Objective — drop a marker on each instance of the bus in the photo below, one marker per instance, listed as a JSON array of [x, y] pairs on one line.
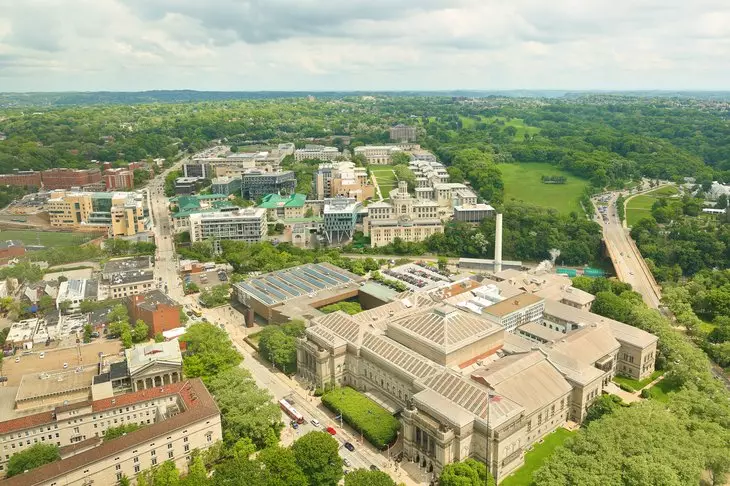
[[197, 313], [291, 411]]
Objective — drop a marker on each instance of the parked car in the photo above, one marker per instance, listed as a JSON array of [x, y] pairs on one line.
[[331, 431], [42, 355], [294, 425], [314, 422], [347, 462], [17, 359], [349, 446], [373, 467]]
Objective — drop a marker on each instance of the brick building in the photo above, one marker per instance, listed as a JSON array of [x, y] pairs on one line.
[[118, 179], [11, 249], [62, 178], [160, 312], [21, 178]]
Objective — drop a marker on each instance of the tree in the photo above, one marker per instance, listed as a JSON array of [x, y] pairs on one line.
[[363, 477], [88, 330], [467, 473], [46, 304], [246, 410], [243, 448], [281, 468], [141, 331], [126, 338], [159, 338], [317, 455], [403, 173], [118, 314], [31, 458], [124, 481], [605, 404], [400, 158], [114, 432], [443, 263], [197, 475], [166, 475], [722, 201], [209, 351]]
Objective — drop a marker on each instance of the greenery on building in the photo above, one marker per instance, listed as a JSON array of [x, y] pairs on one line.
[[374, 422]]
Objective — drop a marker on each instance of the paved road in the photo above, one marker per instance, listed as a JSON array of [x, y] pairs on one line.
[[628, 262]]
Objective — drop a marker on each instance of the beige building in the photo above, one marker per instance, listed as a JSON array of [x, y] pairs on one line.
[[464, 386], [121, 213], [176, 419], [154, 365], [404, 217], [378, 154], [342, 179], [316, 152], [247, 224], [123, 277]]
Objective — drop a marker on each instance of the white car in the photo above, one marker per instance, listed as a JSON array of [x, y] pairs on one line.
[[65, 365], [347, 462], [42, 355], [314, 422], [17, 359]]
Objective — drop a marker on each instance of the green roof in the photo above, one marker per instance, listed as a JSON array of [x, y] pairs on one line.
[[184, 213], [197, 197], [273, 201]]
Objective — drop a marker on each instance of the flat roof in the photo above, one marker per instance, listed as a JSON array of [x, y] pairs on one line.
[[127, 264], [513, 304], [282, 285], [542, 332], [39, 385]]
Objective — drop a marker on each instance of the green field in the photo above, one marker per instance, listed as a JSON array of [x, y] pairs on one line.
[[518, 123], [637, 385], [639, 207], [386, 178], [536, 457], [377, 425], [660, 391], [47, 238], [522, 184]]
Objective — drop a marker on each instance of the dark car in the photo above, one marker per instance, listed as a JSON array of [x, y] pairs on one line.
[[373, 467], [349, 446]]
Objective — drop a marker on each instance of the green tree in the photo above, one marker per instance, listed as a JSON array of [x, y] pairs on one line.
[[31, 458], [114, 432], [209, 351], [243, 448], [197, 475], [46, 304], [126, 338], [246, 409], [400, 158], [88, 330], [722, 202], [280, 468], [467, 473], [166, 475], [443, 263], [159, 338], [124, 481], [403, 173], [141, 331], [316, 453], [363, 477], [605, 404]]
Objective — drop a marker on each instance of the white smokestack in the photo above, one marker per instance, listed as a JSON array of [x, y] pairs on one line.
[[498, 244]]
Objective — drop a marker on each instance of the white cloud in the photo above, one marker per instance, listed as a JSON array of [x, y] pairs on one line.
[[363, 44]]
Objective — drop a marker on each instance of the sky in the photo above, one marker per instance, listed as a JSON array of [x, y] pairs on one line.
[[320, 45]]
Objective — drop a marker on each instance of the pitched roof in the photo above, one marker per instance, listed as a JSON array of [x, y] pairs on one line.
[[513, 304]]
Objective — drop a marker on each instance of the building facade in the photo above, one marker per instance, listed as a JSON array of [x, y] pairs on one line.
[[285, 207], [175, 420], [256, 183], [473, 213], [404, 217], [121, 213], [127, 276], [402, 133], [342, 179], [156, 309], [118, 179], [226, 185], [247, 225], [340, 218], [316, 152], [378, 154]]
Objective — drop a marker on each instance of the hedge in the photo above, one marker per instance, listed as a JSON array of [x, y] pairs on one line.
[[375, 423]]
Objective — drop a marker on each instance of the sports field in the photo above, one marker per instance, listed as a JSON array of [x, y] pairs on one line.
[[47, 238], [522, 183], [639, 206], [385, 178]]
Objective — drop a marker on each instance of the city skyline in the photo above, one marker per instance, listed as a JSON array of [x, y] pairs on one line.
[[357, 45]]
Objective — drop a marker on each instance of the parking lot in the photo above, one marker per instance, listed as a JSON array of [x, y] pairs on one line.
[[54, 358], [206, 279], [418, 275]]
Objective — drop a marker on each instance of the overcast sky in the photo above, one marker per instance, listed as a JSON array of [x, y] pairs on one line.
[[309, 45]]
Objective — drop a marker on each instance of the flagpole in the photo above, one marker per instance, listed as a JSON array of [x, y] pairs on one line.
[[486, 451]]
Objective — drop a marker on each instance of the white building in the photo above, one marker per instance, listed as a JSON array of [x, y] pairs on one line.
[[378, 154], [247, 224], [75, 291], [340, 217], [317, 152]]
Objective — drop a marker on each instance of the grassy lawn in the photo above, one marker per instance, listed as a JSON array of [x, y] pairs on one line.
[[536, 457], [522, 183], [640, 206], [47, 238], [377, 425], [518, 123], [659, 392], [386, 178], [636, 384]]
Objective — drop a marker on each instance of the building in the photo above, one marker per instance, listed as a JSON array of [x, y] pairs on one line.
[[123, 277], [10, 249], [181, 218], [226, 185], [378, 154], [156, 309], [257, 183], [461, 384], [295, 293], [340, 217], [342, 179], [247, 225], [187, 185], [317, 152], [402, 133], [75, 291], [198, 169], [404, 217], [28, 178], [62, 178], [285, 207], [154, 365], [473, 213], [120, 213], [176, 419], [118, 179]]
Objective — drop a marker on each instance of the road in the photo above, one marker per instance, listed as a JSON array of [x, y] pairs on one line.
[[627, 260], [280, 386]]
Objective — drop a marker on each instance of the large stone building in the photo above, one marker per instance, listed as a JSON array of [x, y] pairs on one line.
[[247, 224], [402, 133], [176, 419], [285, 207], [463, 384], [120, 213], [378, 154], [317, 152], [405, 217], [342, 179]]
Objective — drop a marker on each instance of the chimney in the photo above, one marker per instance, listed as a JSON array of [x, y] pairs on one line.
[[498, 244]]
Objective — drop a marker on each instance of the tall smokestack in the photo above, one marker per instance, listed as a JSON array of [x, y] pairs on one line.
[[498, 244]]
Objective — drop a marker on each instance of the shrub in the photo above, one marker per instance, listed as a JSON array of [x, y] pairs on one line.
[[375, 423]]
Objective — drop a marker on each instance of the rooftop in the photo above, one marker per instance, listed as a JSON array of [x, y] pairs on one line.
[[150, 300], [127, 264], [541, 332], [513, 304], [143, 355], [272, 201]]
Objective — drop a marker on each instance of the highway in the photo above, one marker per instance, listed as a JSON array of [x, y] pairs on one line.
[[278, 384], [627, 260]]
